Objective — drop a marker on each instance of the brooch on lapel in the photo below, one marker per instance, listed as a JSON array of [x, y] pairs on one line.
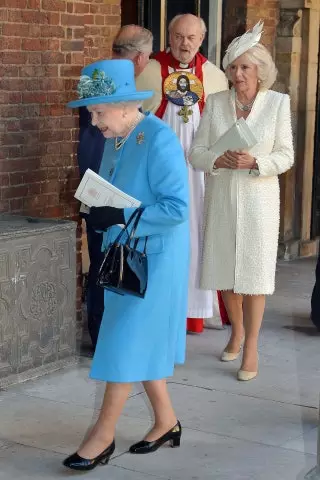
[[140, 138]]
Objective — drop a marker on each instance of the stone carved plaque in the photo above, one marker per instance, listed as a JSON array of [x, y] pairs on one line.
[[44, 300], [4, 265], [37, 294], [23, 258]]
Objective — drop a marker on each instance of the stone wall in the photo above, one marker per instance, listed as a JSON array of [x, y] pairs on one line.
[[297, 58], [37, 296]]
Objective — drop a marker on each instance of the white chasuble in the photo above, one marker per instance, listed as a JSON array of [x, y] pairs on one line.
[[201, 303]]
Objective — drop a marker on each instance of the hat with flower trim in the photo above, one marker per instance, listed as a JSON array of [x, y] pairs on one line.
[[108, 81]]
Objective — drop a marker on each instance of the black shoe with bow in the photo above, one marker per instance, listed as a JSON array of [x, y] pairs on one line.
[[173, 436], [75, 462]]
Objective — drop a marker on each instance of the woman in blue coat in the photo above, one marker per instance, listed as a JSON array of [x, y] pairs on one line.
[[140, 340]]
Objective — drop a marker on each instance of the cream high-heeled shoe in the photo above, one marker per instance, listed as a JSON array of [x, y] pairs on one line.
[[244, 376], [229, 356]]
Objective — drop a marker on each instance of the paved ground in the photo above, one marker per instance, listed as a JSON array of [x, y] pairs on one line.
[[262, 430]]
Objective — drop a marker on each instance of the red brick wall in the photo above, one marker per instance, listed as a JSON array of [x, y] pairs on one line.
[[268, 11], [43, 46], [240, 15], [234, 21]]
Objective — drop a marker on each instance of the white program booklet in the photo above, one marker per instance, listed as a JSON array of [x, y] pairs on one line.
[[238, 137], [94, 191]]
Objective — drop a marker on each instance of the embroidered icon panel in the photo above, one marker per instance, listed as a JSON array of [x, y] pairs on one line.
[[183, 88]]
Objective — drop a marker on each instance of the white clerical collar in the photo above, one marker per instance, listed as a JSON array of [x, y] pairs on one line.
[[181, 65]]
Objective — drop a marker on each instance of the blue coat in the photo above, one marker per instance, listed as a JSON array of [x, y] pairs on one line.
[[142, 339]]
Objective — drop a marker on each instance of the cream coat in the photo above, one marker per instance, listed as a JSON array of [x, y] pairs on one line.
[[241, 207]]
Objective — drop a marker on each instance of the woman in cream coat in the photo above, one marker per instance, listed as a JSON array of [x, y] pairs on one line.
[[242, 192]]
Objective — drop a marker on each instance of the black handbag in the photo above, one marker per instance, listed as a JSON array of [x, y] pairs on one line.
[[124, 269]]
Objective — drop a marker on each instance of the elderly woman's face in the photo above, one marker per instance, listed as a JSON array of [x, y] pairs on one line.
[[243, 74], [110, 119]]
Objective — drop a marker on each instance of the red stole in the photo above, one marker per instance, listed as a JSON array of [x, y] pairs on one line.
[[166, 60]]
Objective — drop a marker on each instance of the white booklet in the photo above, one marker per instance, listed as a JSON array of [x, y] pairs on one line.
[[238, 137], [95, 191]]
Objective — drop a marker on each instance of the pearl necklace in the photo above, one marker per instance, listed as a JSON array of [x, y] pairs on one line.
[[119, 143], [244, 108]]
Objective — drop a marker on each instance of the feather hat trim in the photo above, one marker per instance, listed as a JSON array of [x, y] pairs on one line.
[[242, 44]]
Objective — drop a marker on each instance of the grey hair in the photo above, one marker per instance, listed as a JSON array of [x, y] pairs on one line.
[[140, 41], [203, 25], [267, 71]]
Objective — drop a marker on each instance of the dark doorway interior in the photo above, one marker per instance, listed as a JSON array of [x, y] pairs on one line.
[[129, 12], [148, 14]]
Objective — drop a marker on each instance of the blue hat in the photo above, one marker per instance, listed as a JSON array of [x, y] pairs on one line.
[[108, 81]]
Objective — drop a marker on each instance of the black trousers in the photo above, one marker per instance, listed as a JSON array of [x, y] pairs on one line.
[[95, 294], [315, 298]]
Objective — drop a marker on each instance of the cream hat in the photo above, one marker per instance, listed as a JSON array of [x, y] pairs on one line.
[[242, 44]]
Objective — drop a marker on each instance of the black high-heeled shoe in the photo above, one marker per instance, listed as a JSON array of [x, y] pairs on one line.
[[173, 436], [75, 462]]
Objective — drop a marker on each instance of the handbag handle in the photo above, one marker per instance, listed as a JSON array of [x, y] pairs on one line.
[[135, 226], [134, 214], [145, 245], [133, 232]]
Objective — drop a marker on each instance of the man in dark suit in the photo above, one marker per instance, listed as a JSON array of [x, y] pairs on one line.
[[315, 298], [133, 43]]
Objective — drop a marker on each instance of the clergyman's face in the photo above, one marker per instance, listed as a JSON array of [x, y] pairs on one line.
[[186, 38]]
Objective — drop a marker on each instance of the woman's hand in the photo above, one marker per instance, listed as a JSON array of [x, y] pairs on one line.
[[239, 160], [225, 161], [101, 218]]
